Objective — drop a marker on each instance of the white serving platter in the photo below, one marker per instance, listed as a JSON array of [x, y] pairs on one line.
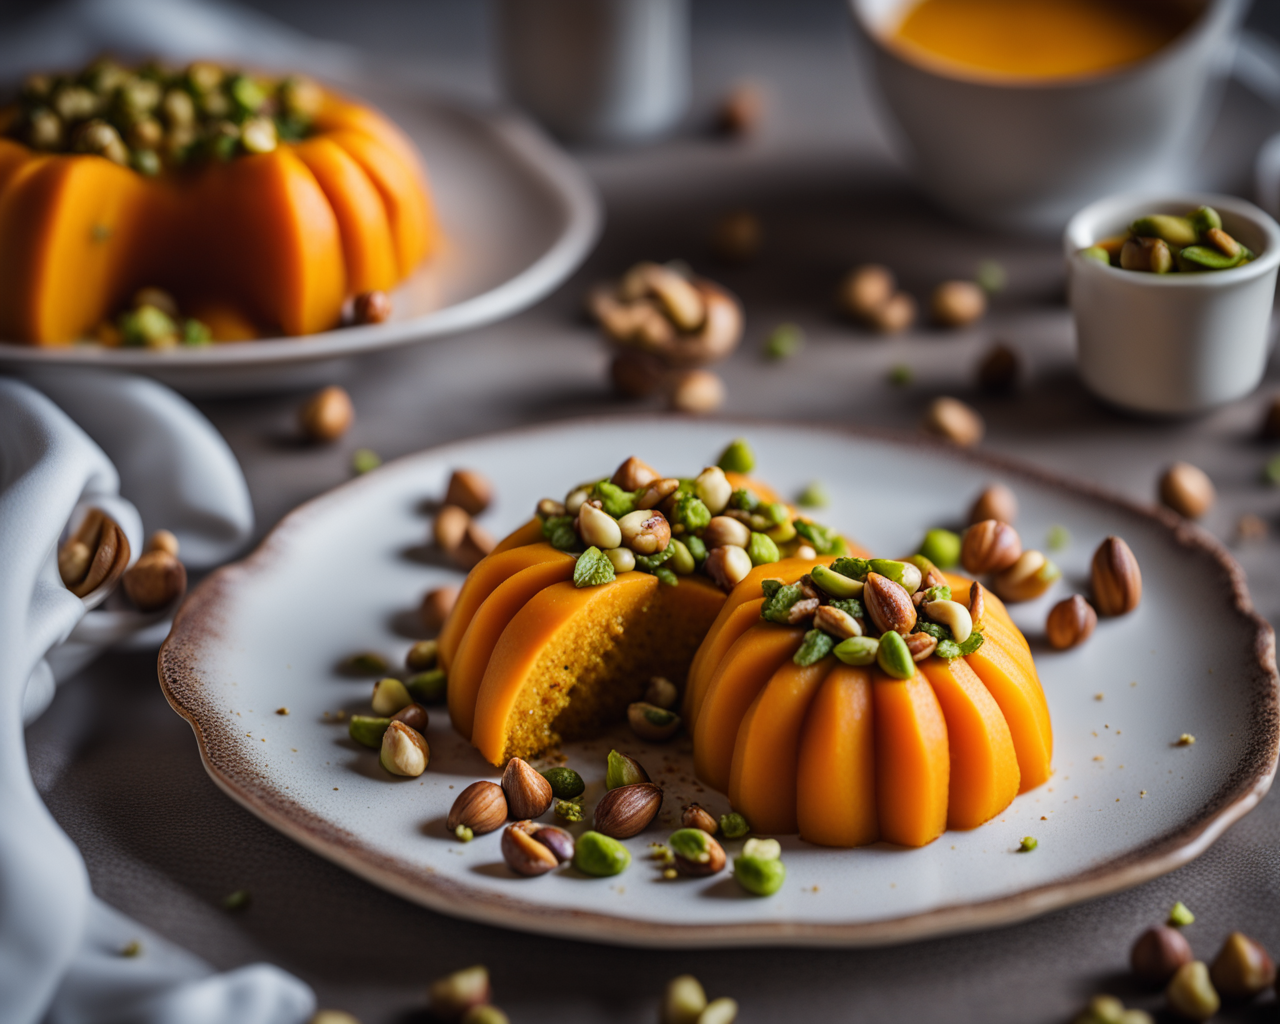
[[344, 573], [518, 216]]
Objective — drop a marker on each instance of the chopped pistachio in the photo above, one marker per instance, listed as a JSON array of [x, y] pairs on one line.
[[430, 687], [1180, 916], [365, 459], [784, 342], [238, 900], [131, 949], [566, 784], [759, 877], [196, 333], [941, 547], [899, 375], [733, 825], [737, 457], [814, 496], [990, 276], [1029, 843], [570, 810], [1058, 538], [464, 833], [367, 663], [762, 549]]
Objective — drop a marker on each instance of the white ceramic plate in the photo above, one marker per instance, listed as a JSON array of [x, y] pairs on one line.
[[343, 574], [518, 214]]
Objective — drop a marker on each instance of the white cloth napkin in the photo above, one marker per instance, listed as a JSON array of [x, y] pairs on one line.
[[59, 946]]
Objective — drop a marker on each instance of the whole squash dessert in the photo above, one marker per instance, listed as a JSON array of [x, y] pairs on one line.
[[563, 624], [259, 204]]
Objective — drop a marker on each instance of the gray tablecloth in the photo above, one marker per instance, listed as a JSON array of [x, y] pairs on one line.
[[121, 773]]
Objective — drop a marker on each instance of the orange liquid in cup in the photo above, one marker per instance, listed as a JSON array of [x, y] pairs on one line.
[[1040, 39]]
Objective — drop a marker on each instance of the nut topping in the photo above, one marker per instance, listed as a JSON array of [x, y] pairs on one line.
[[888, 605], [728, 566], [645, 531], [1070, 623], [404, 751], [953, 421], [977, 604], [838, 623], [695, 816], [528, 793], [1117, 581], [634, 474], [990, 546], [658, 492], [524, 854], [627, 810], [697, 854], [1029, 577], [724, 530], [557, 840], [481, 807], [921, 645], [802, 610]]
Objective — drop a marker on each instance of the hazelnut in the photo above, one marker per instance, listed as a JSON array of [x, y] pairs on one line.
[[695, 816], [476, 543], [952, 420], [163, 540], [696, 391], [450, 528], [1190, 993], [999, 370], [990, 546], [957, 303], [888, 605], [326, 415], [741, 110], [436, 606], [371, 308], [528, 793], [524, 854], [636, 374], [633, 474], [1158, 954], [658, 492], [481, 807], [1242, 968], [736, 237], [1117, 581], [895, 316], [627, 810], [866, 290], [155, 580], [1070, 622], [469, 490], [728, 566], [415, 716], [996, 502], [1187, 490]]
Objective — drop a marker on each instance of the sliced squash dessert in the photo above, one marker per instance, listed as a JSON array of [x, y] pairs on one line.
[[557, 631]]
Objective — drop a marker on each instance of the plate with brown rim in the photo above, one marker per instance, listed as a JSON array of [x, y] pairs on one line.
[[1126, 802]]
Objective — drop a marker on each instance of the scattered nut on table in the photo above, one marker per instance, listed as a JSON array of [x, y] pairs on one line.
[[999, 370], [470, 490], [371, 308], [696, 816], [1191, 994], [528, 794], [1158, 953], [451, 996], [524, 854], [1187, 490], [481, 807], [952, 420], [436, 605], [627, 810], [996, 502], [957, 303], [326, 415], [1242, 969], [990, 546], [736, 237], [1116, 578], [869, 294], [742, 110], [696, 391], [155, 580], [1070, 623]]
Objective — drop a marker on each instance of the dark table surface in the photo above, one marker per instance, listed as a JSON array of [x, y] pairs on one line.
[[120, 770]]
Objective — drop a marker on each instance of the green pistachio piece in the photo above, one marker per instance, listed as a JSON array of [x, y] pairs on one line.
[[1180, 916], [1058, 538], [565, 782], [894, 657], [389, 696], [621, 770], [682, 561], [824, 539], [733, 825], [367, 730], [1097, 254], [570, 810], [758, 876], [559, 532], [617, 502], [366, 663], [697, 547], [854, 568], [816, 646], [941, 547], [666, 576], [691, 844], [783, 532], [737, 457], [744, 499], [814, 496], [600, 855], [429, 687], [764, 849], [149, 327], [762, 549], [785, 341], [247, 95], [1147, 255], [778, 601], [834, 583], [1203, 218], [1028, 844], [857, 650], [194, 332], [1203, 257], [1177, 231], [691, 513], [990, 276], [365, 460]]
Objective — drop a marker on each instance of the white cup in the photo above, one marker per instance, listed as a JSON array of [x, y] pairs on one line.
[[1172, 343], [612, 71], [1024, 154]]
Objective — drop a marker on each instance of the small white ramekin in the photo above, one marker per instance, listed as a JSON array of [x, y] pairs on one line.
[[1175, 343]]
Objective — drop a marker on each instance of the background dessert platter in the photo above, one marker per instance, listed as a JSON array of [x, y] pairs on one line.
[[517, 217], [1126, 802]]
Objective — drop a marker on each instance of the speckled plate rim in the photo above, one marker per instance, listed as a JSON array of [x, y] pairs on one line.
[[200, 620]]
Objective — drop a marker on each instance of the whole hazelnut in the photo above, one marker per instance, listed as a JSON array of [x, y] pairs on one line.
[[696, 391], [866, 290], [895, 316], [371, 308], [528, 793], [163, 540], [1117, 580], [957, 303], [1070, 623], [481, 807], [1158, 953], [1187, 490], [990, 546], [327, 414], [476, 543], [1242, 968], [436, 606], [996, 502], [952, 420], [469, 490], [155, 580]]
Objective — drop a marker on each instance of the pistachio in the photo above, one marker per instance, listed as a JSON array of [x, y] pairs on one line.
[[1180, 914], [957, 303], [952, 420], [840, 624], [888, 604], [728, 566], [990, 546], [422, 656], [95, 556], [858, 650], [622, 559], [1158, 953], [999, 369], [597, 528], [652, 723], [436, 606], [759, 876], [736, 237], [733, 825], [366, 663], [528, 793], [683, 1001], [163, 540], [415, 716], [557, 840], [867, 290], [1117, 580], [906, 574], [470, 490], [941, 547], [682, 562], [977, 603], [1191, 994], [695, 816], [627, 810], [1151, 255], [1242, 968], [1110, 1010], [645, 531], [634, 474], [549, 508], [996, 502], [921, 645], [895, 316], [697, 854], [622, 770], [429, 687], [565, 782], [370, 308], [481, 807], [258, 135], [1070, 622], [894, 657], [1176, 231], [449, 530], [658, 492], [953, 615], [453, 995], [154, 581], [713, 489], [1202, 218], [367, 730], [661, 692], [404, 750], [569, 810], [389, 696], [833, 583], [600, 855], [1029, 577], [1187, 490], [45, 130], [523, 854]]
